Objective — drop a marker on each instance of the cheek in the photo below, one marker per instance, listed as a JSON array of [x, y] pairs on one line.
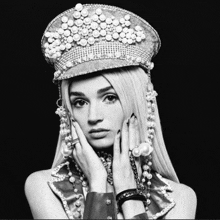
[[116, 116]]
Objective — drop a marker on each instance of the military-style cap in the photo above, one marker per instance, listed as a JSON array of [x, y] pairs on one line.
[[93, 37]]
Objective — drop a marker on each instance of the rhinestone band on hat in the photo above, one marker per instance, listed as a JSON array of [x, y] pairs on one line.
[[100, 51]]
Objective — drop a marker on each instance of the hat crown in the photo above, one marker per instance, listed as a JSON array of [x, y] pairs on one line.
[[94, 32]]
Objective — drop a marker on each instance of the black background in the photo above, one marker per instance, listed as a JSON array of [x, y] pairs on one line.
[[185, 77]]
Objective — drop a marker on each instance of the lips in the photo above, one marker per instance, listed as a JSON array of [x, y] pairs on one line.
[[98, 130], [98, 133]]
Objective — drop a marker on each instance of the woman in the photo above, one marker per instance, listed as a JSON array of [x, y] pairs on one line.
[[111, 155]]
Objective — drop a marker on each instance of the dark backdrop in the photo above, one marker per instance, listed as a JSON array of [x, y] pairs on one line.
[[185, 77]]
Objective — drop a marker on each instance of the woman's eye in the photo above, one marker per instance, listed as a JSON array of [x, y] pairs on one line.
[[111, 98], [79, 103]]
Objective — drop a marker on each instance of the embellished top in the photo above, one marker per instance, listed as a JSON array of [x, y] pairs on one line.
[[78, 204]]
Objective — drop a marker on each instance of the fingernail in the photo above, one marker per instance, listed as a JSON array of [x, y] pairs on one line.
[[128, 120], [73, 120], [132, 115]]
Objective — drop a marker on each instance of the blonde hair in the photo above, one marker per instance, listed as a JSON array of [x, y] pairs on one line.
[[130, 84]]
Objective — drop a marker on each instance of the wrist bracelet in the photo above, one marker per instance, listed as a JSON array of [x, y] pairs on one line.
[[126, 193], [130, 194]]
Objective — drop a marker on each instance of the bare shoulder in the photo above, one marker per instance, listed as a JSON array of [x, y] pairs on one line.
[[42, 175], [36, 180], [180, 189], [42, 201], [185, 199]]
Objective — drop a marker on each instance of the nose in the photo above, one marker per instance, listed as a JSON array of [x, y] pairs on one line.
[[95, 114]]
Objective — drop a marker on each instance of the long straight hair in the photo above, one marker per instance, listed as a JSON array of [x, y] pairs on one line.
[[130, 84]]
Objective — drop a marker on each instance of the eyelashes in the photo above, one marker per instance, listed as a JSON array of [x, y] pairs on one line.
[[108, 99]]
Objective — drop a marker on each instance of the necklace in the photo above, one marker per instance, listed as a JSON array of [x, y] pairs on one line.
[[106, 160]]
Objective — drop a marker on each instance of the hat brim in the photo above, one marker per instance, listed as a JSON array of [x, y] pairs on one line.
[[94, 66]]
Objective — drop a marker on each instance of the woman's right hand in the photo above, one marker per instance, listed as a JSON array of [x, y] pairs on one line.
[[88, 161]]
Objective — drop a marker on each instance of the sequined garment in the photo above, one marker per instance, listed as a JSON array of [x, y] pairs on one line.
[[78, 204]]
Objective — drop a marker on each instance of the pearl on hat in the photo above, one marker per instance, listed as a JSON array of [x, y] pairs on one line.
[[70, 22], [108, 37], [84, 12], [50, 39], [130, 41], [115, 22], [122, 20], [76, 14], [60, 31], [95, 17], [127, 17], [118, 29], [95, 33], [124, 40], [67, 33], [127, 23], [102, 17], [47, 34], [70, 39], [64, 19], [91, 40], [87, 21], [83, 42], [103, 25], [94, 25], [74, 29], [62, 47], [79, 22], [64, 26], [76, 37], [103, 33], [138, 39], [79, 7], [85, 32], [98, 11], [108, 20], [115, 35]]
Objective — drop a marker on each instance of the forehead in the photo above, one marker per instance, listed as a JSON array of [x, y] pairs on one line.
[[89, 83]]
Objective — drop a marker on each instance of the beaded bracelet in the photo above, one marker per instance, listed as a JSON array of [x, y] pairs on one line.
[[130, 194]]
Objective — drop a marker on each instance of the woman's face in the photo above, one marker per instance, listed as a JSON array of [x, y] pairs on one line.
[[97, 109]]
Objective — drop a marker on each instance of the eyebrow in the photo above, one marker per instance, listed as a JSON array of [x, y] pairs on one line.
[[100, 91]]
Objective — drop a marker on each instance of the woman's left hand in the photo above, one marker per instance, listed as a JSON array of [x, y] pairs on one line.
[[123, 175]]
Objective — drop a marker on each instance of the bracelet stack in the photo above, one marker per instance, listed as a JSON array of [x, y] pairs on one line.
[[129, 194]]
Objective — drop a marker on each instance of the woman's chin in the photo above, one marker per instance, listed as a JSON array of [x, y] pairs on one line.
[[101, 144]]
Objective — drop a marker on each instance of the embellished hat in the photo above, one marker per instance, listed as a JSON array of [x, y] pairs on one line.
[[93, 37]]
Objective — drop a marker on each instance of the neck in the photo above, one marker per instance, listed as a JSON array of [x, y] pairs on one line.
[[108, 150]]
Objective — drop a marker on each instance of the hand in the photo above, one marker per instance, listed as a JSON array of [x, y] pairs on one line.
[[123, 175], [88, 161]]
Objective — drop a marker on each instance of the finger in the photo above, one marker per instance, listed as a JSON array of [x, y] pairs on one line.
[[124, 137], [80, 134], [116, 148], [76, 139], [137, 143], [137, 133], [132, 133]]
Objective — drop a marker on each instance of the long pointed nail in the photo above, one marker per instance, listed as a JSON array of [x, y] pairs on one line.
[[128, 121], [73, 122], [132, 115]]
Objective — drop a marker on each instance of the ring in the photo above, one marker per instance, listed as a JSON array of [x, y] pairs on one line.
[[75, 141]]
